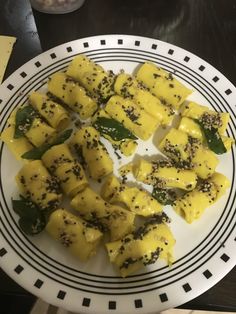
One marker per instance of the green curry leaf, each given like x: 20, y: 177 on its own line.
x: 37, y: 152
x: 164, y: 196
x: 23, y: 121
x: 32, y: 220
x: 213, y: 138
x: 113, y: 128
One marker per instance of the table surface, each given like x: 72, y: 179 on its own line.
x: 205, y: 28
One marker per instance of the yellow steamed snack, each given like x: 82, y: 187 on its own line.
x: 142, y: 247
x: 94, y: 152
x: 137, y: 200
x: 51, y: 111
x: 72, y: 94
x: 35, y: 182
x: 93, y: 208
x: 59, y: 160
x: 92, y: 76
x: 127, y: 110
x: 74, y: 234
x: 192, y: 205
x: 163, y: 84
x: 139, y: 122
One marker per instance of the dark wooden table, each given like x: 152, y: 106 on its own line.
x: 204, y: 27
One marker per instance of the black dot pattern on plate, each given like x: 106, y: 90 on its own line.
x: 207, y: 274
x: 86, y: 302
x: 215, y: 79
x: 186, y: 59
x: 154, y: 46
x: 53, y: 55
x: 112, y: 305
x: 225, y: 257
x: 10, y: 86
x: 137, y: 43
x: 187, y: 287
x: 103, y: 42
x: 3, y: 252
x: 228, y: 91
x: 86, y: 45
x: 38, y: 283
x: 23, y: 74
x: 69, y: 49
x: 138, y: 303
x: 18, y: 269
x: 163, y: 297
x: 120, y: 41
x: 201, y: 68
x: 38, y: 64
x: 170, y: 52
x: 61, y: 295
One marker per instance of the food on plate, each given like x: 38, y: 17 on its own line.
x: 194, y: 130
x: 35, y: 183
x: 17, y: 146
x: 77, y: 235
x: 137, y: 200
x: 115, y: 132
x: 206, y: 125
x: 144, y: 246
x: 92, y: 207
x: 71, y: 93
x: 29, y: 124
x: 218, y: 120
x: 92, y: 76
x: 52, y: 112
x: 163, y: 84
x: 80, y: 170
x: 189, y: 153
x: 191, y: 205
x: 128, y: 87
x: 163, y: 173
x: 125, y: 111
x: 87, y: 141
x: 60, y: 162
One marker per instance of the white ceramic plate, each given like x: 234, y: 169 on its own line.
x: 205, y: 250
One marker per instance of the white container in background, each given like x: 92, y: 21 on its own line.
x: 56, y: 6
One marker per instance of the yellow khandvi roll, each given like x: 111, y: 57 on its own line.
x: 189, y: 153
x: 143, y: 247
x: 218, y: 120
x: 51, y: 111
x: 94, y: 152
x: 163, y: 84
x: 35, y: 183
x: 136, y: 200
x: 92, y: 207
x: 80, y: 238
x: 129, y: 87
x: 18, y: 146
x: 92, y: 76
x: 193, y: 129
x: 163, y: 174
x: 40, y: 132
x: 192, y: 205
x: 135, y: 119
x: 72, y: 94
x: 70, y: 173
